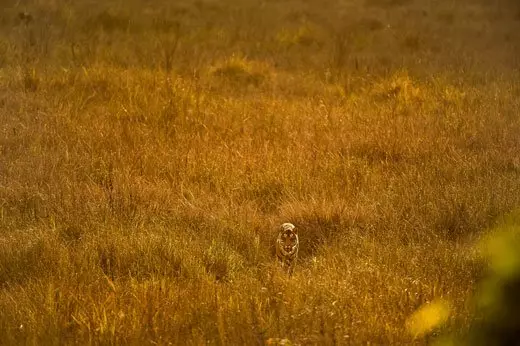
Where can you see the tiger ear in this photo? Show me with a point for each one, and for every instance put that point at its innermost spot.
(295, 230)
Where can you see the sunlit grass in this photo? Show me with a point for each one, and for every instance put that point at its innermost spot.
(148, 154)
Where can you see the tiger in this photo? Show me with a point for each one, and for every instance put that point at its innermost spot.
(287, 246)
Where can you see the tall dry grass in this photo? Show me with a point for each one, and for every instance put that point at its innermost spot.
(148, 151)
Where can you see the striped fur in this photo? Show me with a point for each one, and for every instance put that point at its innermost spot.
(287, 246)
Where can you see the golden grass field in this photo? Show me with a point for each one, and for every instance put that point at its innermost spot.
(149, 150)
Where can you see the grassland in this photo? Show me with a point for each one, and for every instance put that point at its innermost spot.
(150, 149)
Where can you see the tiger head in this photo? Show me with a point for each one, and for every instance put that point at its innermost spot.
(288, 238)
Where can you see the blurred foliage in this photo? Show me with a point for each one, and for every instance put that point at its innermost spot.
(498, 295)
(428, 317)
(497, 300)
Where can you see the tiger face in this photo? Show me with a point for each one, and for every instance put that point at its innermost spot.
(287, 246)
(288, 238)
